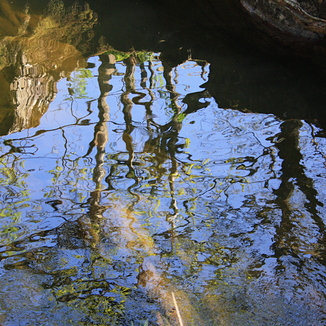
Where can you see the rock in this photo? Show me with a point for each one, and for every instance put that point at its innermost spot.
(289, 18)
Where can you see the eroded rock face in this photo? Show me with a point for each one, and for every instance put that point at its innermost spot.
(299, 19)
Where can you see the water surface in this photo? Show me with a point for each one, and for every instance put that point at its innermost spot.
(131, 187)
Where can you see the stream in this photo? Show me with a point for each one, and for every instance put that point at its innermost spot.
(130, 196)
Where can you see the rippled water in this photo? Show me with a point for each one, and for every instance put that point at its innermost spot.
(136, 187)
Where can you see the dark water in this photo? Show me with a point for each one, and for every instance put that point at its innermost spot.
(125, 186)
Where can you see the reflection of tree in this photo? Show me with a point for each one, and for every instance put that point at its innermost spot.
(163, 140)
(111, 256)
(99, 141)
(97, 298)
(131, 237)
(14, 197)
(294, 178)
(127, 107)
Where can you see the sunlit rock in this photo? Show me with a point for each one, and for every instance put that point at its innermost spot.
(36, 52)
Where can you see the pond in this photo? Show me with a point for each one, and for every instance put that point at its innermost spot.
(130, 197)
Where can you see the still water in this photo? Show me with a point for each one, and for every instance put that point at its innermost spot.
(136, 186)
(129, 196)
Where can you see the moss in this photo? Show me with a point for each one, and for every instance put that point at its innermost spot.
(140, 56)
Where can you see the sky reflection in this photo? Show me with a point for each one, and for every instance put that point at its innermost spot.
(135, 181)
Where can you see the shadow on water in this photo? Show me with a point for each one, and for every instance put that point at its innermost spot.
(135, 184)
